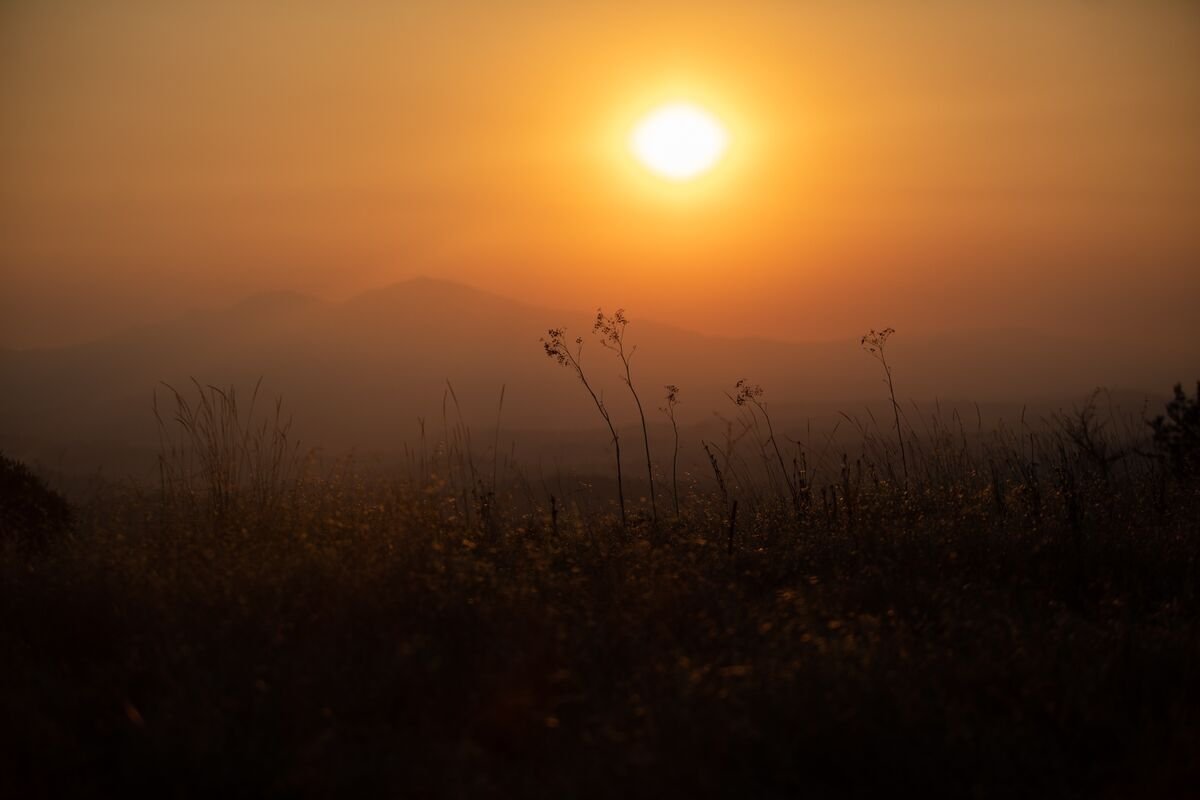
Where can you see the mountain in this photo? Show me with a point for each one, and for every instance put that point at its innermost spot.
(361, 372)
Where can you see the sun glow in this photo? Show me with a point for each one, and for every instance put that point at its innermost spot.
(679, 141)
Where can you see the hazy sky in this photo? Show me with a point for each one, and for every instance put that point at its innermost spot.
(927, 165)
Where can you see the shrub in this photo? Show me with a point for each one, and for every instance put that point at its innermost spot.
(30, 511)
(1177, 435)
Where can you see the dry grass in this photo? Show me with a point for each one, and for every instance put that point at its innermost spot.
(1021, 619)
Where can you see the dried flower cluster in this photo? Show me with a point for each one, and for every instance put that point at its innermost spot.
(874, 341)
(747, 393)
(556, 347)
(611, 329)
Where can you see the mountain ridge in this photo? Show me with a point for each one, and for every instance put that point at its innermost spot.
(359, 371)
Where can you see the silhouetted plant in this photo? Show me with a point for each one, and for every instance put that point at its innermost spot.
(611, 330)
(557, 347)
(1177, 434)
(874, 342)
(669, 410)
(1086, 432)
(178, 621)
(30, 511)
(215, 452)
(748, 394)
(716, 468)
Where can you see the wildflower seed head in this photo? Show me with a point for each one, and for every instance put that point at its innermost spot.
(555, 345)
(747, 393)
(874, 341)
(610, 329)
(672, 400)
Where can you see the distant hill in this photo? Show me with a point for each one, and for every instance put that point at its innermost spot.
(361, 372)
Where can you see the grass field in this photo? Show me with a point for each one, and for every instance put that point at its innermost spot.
(1018, 617)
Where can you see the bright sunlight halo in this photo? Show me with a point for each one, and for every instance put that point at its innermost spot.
(679, 141)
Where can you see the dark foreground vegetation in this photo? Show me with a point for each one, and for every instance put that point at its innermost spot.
(1016, 617)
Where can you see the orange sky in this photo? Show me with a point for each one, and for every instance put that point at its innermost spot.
(927, 165)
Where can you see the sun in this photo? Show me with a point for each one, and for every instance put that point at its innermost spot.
(679, 141)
